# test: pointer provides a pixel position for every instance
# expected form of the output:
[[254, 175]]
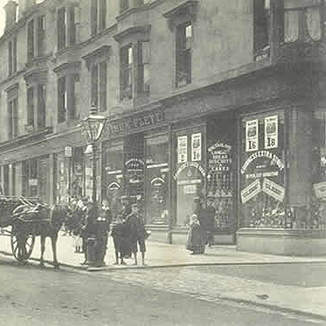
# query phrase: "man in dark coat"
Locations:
[[210, 220], [137, 232]]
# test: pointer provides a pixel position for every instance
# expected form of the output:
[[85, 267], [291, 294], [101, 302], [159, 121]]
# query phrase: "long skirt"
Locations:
[[196, 240]]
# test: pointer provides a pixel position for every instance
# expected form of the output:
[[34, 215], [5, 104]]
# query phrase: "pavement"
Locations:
[[289, 284]]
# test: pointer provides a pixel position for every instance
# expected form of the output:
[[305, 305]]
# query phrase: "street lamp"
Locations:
[[92, 128]]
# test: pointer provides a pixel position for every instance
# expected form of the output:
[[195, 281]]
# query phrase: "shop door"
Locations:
[[44, 176]]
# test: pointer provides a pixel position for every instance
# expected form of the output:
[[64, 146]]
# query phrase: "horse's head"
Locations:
[[59, 215]]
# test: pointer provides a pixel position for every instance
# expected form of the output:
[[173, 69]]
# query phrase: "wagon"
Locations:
[[21, 227]]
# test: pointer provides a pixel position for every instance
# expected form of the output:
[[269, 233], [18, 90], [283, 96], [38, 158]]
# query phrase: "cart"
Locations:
[[21, 227]]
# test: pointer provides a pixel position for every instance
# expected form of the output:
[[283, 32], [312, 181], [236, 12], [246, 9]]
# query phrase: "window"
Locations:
[[183, 54], [30, 40], [40, 35], [66, 97], [6, 180], [143, 67], [62, 99], [124, 5], [41, 106], [61, 27], [99, 85], [72, 25], [98, 16], [13, 179], [12, 56], [126, 62], [12, 118], [30, 107], [261, 25]]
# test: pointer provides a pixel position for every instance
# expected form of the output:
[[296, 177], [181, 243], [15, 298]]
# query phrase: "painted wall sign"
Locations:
[[182, 149], [250, 191], [320, 189], [138, 121], [190, 165], [196, 147], [273, 189], [275, 160], [252, 135], [271, 132]]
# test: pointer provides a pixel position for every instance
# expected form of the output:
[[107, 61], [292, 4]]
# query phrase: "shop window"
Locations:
[[184, 35], [262, 172], [30, 178], [13, 179], [77, 178], [157, 179], [126, 75], [6, 180]]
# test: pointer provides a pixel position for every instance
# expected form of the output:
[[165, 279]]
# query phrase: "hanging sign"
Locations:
[[68, 151], [182, 149], [196, 147], [252, 135], [273, 189], [271, 132], [250, 191]]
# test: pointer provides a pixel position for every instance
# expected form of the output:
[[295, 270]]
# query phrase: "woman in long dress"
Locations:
[[196, 236]]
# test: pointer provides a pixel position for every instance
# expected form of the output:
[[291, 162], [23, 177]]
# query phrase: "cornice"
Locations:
[[144, 29], [67, 66], [101, 52]]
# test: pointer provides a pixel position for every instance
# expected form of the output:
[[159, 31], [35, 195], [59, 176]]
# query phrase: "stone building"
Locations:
[[203, 98]]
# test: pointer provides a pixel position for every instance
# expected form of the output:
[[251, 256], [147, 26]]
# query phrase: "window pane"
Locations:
[[30, 106]]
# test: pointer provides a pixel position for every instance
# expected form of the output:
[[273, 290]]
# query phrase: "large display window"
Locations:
[[262, 172], [157, 179]]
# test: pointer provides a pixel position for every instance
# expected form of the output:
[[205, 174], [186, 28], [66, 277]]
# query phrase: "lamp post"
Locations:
[[92, 128]]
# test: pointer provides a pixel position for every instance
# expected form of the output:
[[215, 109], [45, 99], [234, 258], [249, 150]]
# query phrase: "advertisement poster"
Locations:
[[273, 189], [196, 147], [271, 132], [252, 135], [250, 191], [182, 149]]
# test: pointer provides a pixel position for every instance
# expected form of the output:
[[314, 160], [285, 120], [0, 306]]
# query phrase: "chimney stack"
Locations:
[[11, 13], [24, 6]]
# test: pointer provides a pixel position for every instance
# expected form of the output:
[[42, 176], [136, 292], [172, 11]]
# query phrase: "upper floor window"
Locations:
[[36, 119], [184, 35], [99, 85], [67, 97], [12, 117], [262, 15], [143, 81], [67, 21], [126, 75], [12, 56], [35, 38], [98, 16], [41, 35], [30, 40]]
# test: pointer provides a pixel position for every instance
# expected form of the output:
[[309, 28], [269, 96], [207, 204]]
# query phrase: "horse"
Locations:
[[58, 214]]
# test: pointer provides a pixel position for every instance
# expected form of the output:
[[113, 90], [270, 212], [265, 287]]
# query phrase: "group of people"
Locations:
[[201, 226], [93, 225]]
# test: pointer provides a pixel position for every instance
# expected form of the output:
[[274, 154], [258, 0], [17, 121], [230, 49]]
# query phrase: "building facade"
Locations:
[[203, 98]]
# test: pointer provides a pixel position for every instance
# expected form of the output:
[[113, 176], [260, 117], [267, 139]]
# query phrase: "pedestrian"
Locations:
[[124, 212], [103, 222], [137, 232], [195, 237], [118, 233], [209, 224]]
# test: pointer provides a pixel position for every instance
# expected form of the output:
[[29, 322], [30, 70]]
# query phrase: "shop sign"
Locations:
[[252, 135], [139, 121], [320, 189], [196, 147], [182, 149], [250, 191], [186, 165], [134, 164], [271, 132], [275, 160], [190, 189], [157, 182], [273, 189]]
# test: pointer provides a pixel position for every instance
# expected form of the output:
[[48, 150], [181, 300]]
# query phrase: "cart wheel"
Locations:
[[22, 245]]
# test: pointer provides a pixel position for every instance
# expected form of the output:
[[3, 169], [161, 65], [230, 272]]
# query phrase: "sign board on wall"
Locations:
[[196, 147], [182, 148], [252, 135], [250, 191], [320, 189], [271, 132]]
